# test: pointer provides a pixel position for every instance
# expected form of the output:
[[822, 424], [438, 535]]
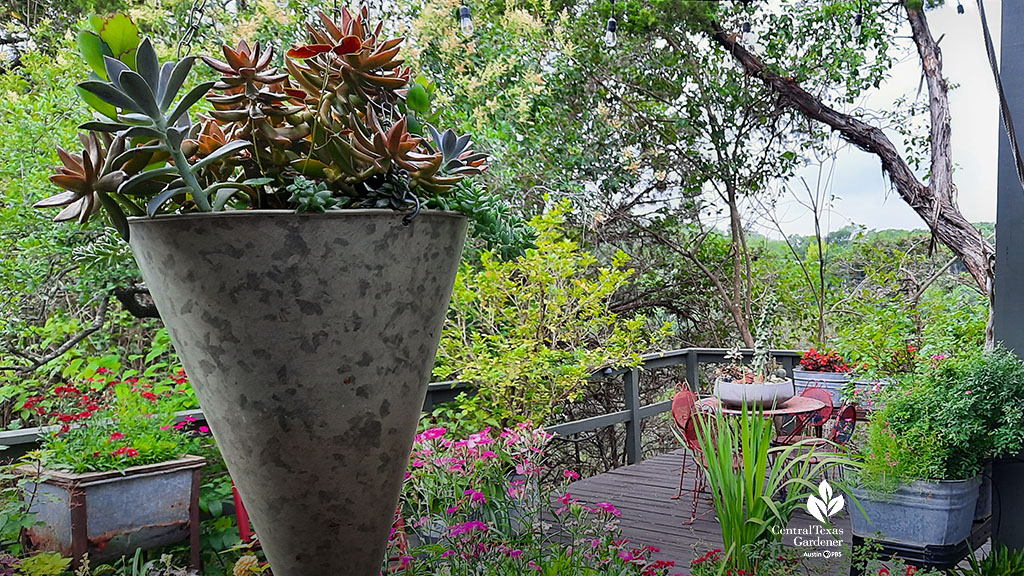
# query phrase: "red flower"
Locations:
[[132, 452], [116, 436], [883, 572]]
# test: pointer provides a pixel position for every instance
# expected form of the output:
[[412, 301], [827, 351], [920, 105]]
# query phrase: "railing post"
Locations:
[[691, 371], [631, 387], [787, 365]]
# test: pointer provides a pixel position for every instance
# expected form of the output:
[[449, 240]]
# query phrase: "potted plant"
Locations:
[[308, 331], [763, 382], [823, 370], [114, 447], [929, 442]]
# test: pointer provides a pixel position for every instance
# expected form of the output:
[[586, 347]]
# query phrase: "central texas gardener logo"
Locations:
[[822, 506]]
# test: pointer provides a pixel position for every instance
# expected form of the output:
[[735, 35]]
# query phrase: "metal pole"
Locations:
[[1008, 474]]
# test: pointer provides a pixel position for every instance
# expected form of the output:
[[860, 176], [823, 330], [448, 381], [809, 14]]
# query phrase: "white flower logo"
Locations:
[[824, 507]]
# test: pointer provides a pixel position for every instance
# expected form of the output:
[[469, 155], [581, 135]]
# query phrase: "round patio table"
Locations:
[[792, 407]]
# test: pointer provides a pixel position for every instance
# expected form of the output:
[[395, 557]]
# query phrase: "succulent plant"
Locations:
[[342, 128], [145, 98], [84, 177], [350, 61], [252, 103], [309, 196]]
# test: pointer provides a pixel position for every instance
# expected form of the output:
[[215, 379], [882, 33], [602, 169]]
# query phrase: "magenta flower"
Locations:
[[571, 475]]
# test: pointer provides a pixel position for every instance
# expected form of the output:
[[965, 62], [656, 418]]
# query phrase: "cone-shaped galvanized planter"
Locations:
[[309, 340]]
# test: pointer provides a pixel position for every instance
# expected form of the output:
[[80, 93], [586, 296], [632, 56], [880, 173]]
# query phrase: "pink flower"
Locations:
[[452, 510], [431, 434], [467, 527], [204, 429], [609, 508], [476, 497], [571, 475], [167, 427]]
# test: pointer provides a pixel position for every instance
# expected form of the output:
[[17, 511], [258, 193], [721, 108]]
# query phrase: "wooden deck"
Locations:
[[643, 493]]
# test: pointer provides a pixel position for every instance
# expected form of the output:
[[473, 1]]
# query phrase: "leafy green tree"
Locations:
[[529, 332]]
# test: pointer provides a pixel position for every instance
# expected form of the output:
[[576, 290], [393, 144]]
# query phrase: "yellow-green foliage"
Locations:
[[528, 332]]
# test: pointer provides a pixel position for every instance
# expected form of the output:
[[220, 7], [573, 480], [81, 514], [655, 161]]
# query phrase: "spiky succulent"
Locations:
[[252, 104], [358, 65], [145, 98], [86, 178], [343, 117]]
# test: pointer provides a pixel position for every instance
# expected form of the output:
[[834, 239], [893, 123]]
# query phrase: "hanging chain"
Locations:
[[195, 18]]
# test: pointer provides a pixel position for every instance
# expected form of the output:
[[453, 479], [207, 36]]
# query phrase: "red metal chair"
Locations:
[[685, 413], [815, 419]]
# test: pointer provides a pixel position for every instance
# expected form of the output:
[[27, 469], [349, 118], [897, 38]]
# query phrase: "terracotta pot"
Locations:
[[309, 340]]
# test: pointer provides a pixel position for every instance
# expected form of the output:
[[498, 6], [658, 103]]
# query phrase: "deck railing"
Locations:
[[632, 414]]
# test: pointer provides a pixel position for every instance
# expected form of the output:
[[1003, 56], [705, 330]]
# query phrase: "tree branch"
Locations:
[[935, 203], [97, 323]]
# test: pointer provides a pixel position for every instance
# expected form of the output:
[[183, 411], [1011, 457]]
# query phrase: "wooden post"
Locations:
[[692, 378], [631, 387], [193, 521]]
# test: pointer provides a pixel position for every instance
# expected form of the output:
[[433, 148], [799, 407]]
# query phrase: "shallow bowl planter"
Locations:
[[110, 514], [309, 340], [920, 513], [763, 394]]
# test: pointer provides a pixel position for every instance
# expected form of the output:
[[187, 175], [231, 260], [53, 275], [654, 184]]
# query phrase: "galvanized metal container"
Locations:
[[110, 514], [921, 513], [831, 382]]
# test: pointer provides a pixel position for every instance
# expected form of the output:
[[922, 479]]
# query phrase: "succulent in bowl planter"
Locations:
[[763, 381], [302, 208]]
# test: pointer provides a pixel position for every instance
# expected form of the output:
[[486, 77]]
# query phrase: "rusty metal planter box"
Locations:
[[110, 514]]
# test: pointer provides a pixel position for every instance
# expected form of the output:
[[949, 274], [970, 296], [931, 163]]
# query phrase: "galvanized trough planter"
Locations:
[[110, 514], [921, 513]]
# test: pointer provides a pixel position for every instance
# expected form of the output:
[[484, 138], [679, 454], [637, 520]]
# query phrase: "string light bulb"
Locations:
[[748, 37], [858, 25], [466, 20], [282, 4], [959, 7], [611, 32]]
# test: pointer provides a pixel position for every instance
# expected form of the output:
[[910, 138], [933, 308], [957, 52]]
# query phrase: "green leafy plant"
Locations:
[[129, 433], [948, 418], [1000, 561], [755, 486], [529, 332], [44, 564]]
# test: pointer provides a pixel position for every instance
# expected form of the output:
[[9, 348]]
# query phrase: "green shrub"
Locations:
[[947, 419], [530, 331]]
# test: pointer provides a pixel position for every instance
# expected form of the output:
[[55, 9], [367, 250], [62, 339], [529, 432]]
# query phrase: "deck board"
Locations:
[[643, 493]]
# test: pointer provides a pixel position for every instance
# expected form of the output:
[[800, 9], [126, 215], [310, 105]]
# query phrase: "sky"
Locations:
[[863, 195]]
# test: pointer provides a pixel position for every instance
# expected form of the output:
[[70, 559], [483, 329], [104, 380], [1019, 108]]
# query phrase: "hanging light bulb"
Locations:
[[748, 38], [282, 4], [858, 25], [959, 7], [611, 33], [466, 20]]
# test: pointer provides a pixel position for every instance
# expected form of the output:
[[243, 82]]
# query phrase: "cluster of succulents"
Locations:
[[345, 114], [762, 367]]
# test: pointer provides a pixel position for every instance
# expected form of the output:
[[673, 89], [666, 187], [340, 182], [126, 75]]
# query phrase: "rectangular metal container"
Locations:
[[110, 514]]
